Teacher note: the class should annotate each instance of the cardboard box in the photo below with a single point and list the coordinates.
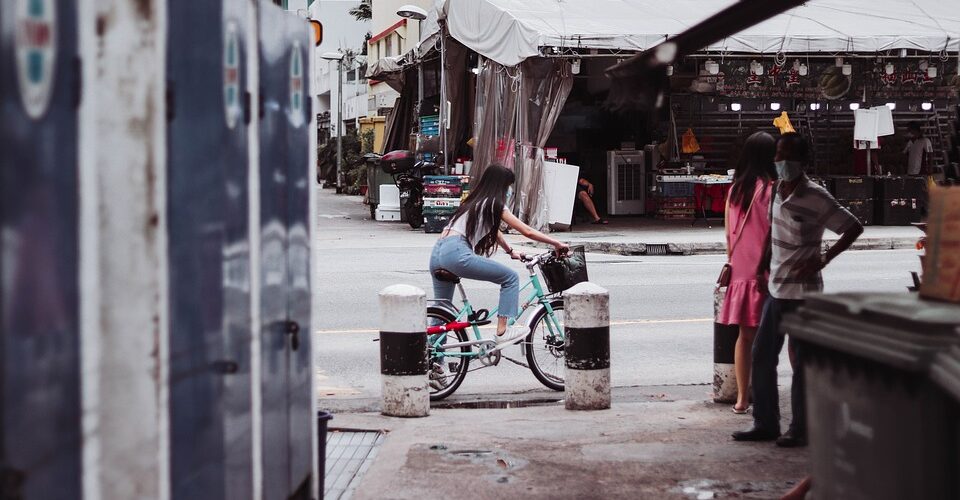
(941, 272)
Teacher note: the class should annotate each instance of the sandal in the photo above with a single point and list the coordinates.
(601, 221)
(740, 412)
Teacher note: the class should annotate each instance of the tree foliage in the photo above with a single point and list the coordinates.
(364, 11)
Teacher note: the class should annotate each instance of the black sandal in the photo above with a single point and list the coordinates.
(601, 221)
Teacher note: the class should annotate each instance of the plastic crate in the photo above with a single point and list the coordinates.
(675, 189)
(435, 223)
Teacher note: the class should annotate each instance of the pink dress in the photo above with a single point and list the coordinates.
(743, 303)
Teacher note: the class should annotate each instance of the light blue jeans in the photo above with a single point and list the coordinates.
(454, 254)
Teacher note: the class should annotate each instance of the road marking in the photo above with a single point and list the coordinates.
(625, 322)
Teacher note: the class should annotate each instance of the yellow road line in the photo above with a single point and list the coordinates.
(612, 323)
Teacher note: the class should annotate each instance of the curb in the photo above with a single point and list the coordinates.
(715, 248)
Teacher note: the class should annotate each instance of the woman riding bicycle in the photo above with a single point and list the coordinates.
(473, 235)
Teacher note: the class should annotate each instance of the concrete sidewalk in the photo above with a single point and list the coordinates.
(623, 236)
(655, 442)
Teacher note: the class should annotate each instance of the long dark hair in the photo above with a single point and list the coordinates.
(485, 205)
(756, 162)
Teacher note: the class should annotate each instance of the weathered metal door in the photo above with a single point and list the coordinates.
(285, 282)
(210, 330)
(40, 441)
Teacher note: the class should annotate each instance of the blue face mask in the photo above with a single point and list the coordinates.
(509, 194)
(789, 170)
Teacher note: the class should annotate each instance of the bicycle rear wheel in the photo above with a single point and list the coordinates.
(446, 373)
(544, 346)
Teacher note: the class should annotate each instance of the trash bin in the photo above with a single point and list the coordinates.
(876, 420)
(322, 418)
(376, 177)
(945, 372)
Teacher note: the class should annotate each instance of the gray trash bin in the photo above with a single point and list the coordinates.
(877, 423)
(376, 177)
(945, 372)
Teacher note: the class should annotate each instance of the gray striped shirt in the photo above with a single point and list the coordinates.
(797, 235)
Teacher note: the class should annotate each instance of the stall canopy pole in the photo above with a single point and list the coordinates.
(444, 111)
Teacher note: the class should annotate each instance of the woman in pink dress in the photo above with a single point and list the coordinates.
(747, 230)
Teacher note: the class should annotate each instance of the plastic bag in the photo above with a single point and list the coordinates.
(690, 144)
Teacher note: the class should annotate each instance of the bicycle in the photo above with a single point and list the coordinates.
(451, 349)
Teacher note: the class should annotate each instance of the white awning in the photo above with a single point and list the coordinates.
(509, 31)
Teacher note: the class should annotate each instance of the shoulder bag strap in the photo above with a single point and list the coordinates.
(746, 216)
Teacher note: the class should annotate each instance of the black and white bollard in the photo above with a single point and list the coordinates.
(403, 352)
(587, 347)
(724, 345)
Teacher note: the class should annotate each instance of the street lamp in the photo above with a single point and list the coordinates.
(414, 12)
(338, 56)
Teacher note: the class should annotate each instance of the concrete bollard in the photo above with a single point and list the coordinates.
(587, 327)
(724, 345)
(403, 352)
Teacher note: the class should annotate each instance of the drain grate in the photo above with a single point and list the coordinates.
(522, 403)
(349, 455)
(657, 249)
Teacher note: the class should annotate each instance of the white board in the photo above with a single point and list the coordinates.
(560, 187)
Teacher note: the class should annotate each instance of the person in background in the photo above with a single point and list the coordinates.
(585, 195)
(801, 211)
(919, 151)
(747, 226)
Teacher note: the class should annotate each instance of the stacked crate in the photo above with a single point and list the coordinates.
(441, 198)
(855, 193)
(675, 199)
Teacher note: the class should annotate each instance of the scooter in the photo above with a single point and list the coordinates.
(408, 175)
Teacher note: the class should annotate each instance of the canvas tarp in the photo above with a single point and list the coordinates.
(510, 31)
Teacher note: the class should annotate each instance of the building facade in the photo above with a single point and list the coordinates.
(392, 36)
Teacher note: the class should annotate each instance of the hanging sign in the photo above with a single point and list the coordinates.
(231, 74)
(35, 46)
(296, 85)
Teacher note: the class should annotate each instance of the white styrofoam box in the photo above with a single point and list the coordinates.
(560, 184)
(441, 203)
(389, 196)
(388, 214)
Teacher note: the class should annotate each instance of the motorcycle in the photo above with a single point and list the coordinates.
(408, 174)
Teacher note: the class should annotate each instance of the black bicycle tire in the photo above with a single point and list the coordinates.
(447, 316)
(531, 359)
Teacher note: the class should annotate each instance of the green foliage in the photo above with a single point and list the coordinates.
(364, 11)
(366, 141)
(354, 168)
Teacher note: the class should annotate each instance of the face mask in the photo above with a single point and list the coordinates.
(509, 194)
(789, 170)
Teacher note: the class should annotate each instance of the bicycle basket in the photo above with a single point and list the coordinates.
(562, 273)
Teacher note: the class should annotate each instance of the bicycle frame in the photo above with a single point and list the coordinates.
(537, 296)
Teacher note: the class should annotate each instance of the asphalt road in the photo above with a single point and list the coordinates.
(661, 307)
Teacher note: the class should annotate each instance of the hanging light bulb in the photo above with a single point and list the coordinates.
(926, 106)
(932, 71)
(814, 106)
(854, 106)
(892, 106)
(888, 69)
(775, 106)
(803, 70)
(670, 70)
(575, 67)
(846, 69)
(736, 106)
(838, 62)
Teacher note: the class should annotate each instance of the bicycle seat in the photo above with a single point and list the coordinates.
(444, 275)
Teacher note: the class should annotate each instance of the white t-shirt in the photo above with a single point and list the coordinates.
(459, 225)
(916, 148)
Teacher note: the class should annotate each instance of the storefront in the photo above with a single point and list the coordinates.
(533, 82)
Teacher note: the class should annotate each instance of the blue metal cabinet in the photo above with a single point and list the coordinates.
(40, 438)
(210, 316)
(285, 233)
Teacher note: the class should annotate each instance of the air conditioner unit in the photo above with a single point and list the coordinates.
(626, 183)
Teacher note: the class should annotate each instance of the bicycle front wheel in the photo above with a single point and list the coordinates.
(544, 346)
(446, 372)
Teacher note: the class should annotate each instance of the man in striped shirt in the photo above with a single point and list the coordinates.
(801, 211)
